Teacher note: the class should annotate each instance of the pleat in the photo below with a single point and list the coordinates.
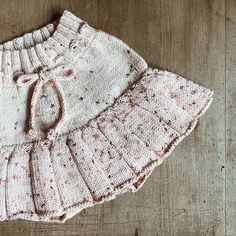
(134, 150)
(93, 176)
(45, 191)
(107, 157)
(161, 106)
(5, 154)
(188, 95)
(151, 129)
(19, 198)
(191, 96)
(73, 189)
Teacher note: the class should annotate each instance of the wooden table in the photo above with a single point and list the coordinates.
(194, 191)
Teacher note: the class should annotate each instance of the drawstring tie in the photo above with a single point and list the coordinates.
(54, 75)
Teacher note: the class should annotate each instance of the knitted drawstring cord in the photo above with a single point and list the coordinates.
(55, 75)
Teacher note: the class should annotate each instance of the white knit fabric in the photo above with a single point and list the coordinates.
(84, 118)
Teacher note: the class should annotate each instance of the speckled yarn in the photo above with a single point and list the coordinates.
(83, 119)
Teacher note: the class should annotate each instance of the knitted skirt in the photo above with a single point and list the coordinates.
(84, 118)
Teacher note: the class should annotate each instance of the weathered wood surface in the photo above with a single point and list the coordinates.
(193, 192)
(230, 113)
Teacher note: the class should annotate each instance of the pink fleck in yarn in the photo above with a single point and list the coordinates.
(84, 118)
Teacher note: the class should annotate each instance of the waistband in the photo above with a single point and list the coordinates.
(63, 38)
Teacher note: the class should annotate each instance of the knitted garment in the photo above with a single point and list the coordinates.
(83, 119)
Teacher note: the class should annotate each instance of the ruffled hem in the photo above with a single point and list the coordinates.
(113, 153)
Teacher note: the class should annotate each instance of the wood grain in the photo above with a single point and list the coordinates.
(230, 109)
(193, 192)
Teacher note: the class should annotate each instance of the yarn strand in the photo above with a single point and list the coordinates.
(41, 78)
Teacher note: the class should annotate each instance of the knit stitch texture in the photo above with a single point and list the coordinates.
(84, 118)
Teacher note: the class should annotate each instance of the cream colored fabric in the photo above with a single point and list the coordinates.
(84, 118)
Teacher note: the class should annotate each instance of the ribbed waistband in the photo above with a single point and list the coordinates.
(44, 46)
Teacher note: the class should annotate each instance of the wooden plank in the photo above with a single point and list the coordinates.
(230, 118)
(186, 194)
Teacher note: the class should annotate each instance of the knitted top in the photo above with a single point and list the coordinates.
(84, 118)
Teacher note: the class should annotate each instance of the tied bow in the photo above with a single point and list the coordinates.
(54, 75)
